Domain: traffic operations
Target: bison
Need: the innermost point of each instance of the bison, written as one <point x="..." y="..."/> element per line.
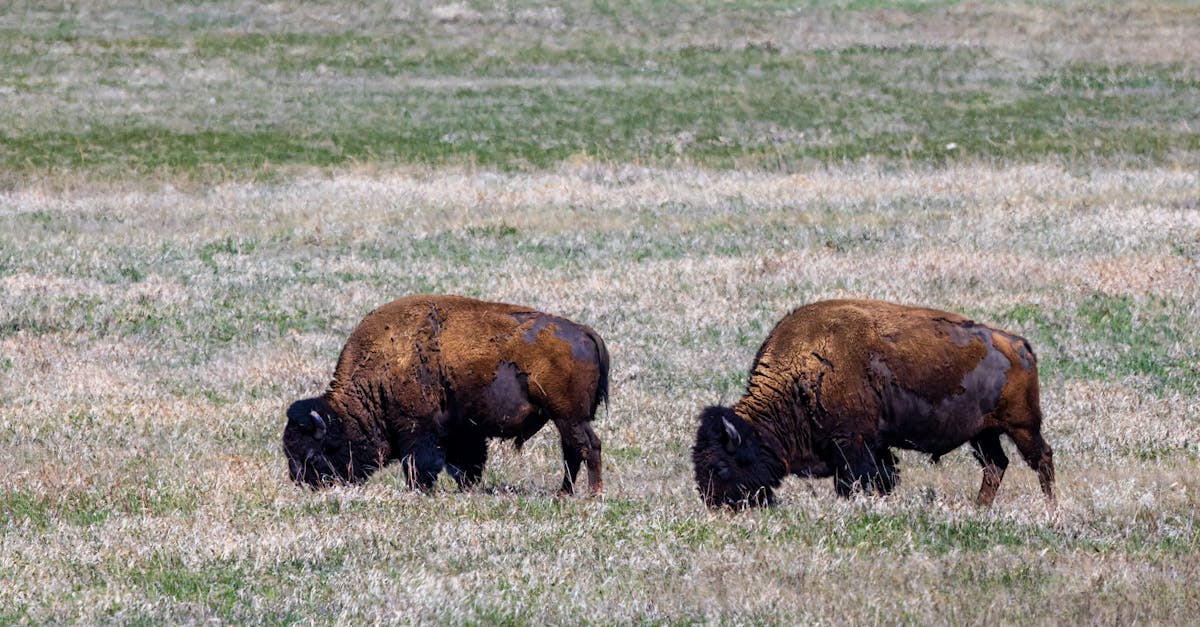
<point x="837" y="384"/>
<point x="427" y="380"/>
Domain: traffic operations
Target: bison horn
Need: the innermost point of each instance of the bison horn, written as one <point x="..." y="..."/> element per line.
<point x="318" y="423"/>
<point x="735" y="438"/>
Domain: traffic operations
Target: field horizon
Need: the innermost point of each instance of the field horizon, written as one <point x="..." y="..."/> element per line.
<point x="194" y="215"/>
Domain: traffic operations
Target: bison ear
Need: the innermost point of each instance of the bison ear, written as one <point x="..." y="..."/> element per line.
<point x="318" y="425"/>
<point x="733" y="439"/>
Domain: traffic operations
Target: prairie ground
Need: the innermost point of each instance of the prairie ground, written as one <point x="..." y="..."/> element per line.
<point x="198" y="203"/>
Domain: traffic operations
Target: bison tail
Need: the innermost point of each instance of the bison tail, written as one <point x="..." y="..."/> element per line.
<point x="602" y="363"/>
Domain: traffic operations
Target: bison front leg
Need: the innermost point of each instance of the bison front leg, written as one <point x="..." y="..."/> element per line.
<point x="465" y="457"/>
<point x="579" y="444"/>
<point x="886" y="476"/>
<point x="987" y="449"/>
<point x="855" y="468"/>
<point x="422" y="462"/>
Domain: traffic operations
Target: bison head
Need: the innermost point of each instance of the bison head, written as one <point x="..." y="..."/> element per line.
<point x="733" y="467"/>
<point x="315" y="445"/>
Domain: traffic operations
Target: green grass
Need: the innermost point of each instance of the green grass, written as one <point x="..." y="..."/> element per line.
<point x="513" y="96"/>
<point x="84" y="508"/>
<point x="781" y="121"/>
<point x="1115" y="337"/>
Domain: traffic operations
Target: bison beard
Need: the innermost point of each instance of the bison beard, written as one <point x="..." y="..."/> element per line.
<point x="427" y="380"/>
<point x="838" y="384"/>
<point x="733" y="468"/>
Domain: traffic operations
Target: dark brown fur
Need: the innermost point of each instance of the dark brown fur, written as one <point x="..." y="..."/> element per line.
<point x="839" y="383"/>
<point x="427" y="380"/>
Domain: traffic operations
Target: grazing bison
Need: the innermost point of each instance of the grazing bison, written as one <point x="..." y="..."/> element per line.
<point x="838" y="383"/>
<point x="427" y="380"/>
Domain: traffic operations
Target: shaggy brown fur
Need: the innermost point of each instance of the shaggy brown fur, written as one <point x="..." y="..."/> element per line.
<point x="427" y="380"/>
<point x="838" y="383"/>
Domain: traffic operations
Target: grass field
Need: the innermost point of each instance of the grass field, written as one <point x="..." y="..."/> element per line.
<point x="199" y="202"/>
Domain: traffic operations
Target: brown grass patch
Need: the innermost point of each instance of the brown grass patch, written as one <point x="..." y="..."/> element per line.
<point x="146" y="364"/>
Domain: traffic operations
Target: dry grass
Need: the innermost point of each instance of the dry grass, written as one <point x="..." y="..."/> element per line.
<point x="152" y="335"/>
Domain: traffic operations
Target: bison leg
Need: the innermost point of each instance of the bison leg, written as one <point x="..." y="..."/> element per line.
<point x="1038" y="455"/>
<point x="465" y="458"/>
<point x="423" y="462"/>
<point x="595" y="481"/>
<point x="845" y="482"/>
<point x="854" y="469"/>
<point x="860" y="468"/>
<point x="987" y="449"/>
<point x="579" y="444"/>
<point x="886" y="476"/>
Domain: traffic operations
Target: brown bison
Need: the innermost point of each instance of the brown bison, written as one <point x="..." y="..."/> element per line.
<point x="838" y="383"/>
<point x="427" y="380"/>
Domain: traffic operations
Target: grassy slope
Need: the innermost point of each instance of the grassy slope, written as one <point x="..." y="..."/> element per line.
<point x="151" y="330"/>
<point x="214" y="89"/>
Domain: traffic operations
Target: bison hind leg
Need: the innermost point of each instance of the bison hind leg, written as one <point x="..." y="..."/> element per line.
<point x="1038" y="455"/>
<point x="580" y="444"/>
<point x="987" y="449"/>
<point x="465" y="457"/>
